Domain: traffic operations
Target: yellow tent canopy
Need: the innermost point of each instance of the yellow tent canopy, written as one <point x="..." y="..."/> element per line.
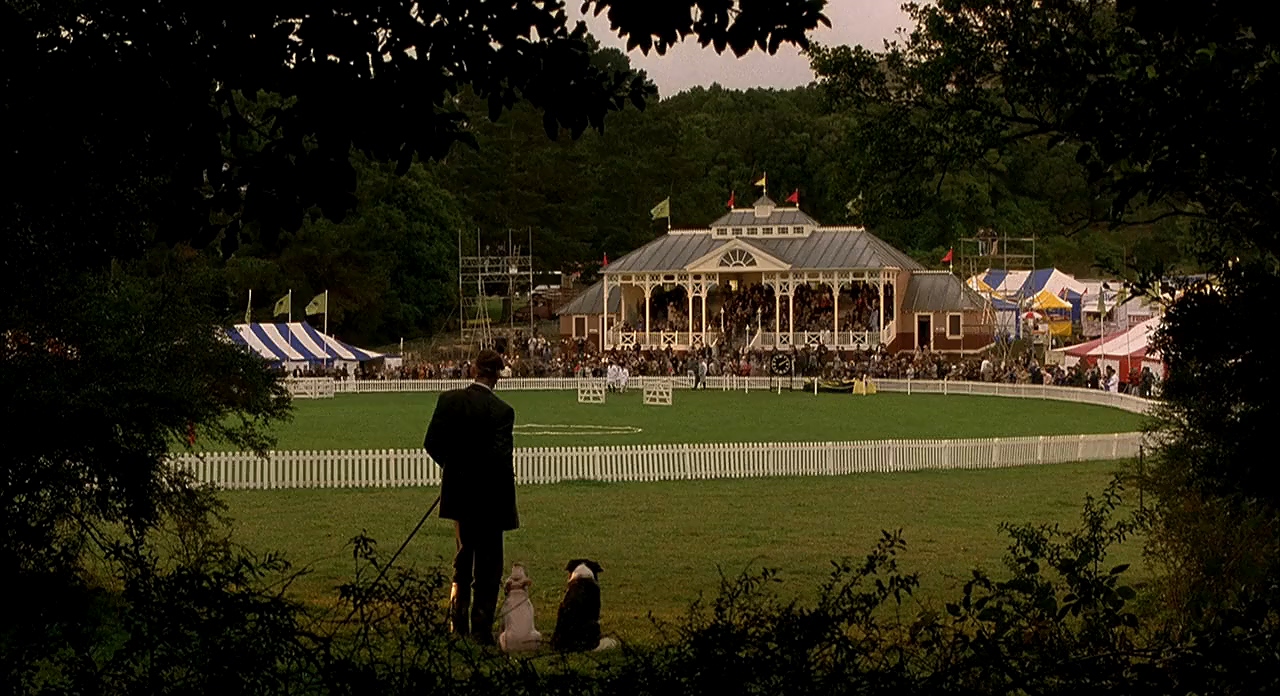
<point x="1047" y="301"/>
<point x="976" y="283"/>
<point x="1056" y="310"/>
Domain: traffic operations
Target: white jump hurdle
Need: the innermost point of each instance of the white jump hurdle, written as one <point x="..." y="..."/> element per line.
<point x="591" y="392"/>
<point x="657" y="394"/>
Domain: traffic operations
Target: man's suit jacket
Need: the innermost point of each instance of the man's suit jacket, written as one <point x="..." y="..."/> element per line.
<point x="470" y="437"/>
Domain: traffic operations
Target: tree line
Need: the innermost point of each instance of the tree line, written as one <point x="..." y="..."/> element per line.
<point x="183" y="143"/>
<point x="391" y="266"/>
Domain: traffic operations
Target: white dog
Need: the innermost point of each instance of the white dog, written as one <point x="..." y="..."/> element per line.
<point x="518" y="633"/>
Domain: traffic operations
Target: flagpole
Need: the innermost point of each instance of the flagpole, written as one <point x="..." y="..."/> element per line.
<point x="248" y="310"/>
<point x="1102" y="323"/>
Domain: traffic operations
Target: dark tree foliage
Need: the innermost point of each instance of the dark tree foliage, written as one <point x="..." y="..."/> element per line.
<point x="145" y="143"/>
<point x="1169" y="115"/>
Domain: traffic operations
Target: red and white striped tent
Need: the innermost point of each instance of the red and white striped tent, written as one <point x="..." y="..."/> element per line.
<point x="1123" y="350"/>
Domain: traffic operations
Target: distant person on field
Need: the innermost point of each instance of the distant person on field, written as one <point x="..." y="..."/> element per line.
<point x="701" y="376"/>
<point x="471" y="438"/>
<point x="1147" y="381"/>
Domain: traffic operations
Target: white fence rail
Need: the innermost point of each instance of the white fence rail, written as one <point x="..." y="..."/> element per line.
<point x="392" y="468"/>
<point x="1025" y="391"/>
<point x="311" y="387"/>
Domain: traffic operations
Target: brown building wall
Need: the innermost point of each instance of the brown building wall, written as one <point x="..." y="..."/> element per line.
<point x="973" y="335"/>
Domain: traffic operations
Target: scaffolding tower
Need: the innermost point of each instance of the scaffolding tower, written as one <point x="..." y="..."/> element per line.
<point x="989" y="250"/>
<point x="500" y="274"/>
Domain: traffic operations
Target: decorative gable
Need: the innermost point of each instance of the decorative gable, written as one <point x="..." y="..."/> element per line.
<point x="737" y="254"/>
<point x="737" y="258"/>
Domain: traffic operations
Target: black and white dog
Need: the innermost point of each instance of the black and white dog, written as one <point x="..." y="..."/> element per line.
<point x="578" y="621"/>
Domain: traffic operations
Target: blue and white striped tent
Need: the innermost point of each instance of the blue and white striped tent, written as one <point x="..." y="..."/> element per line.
<point x="298" y="342"/>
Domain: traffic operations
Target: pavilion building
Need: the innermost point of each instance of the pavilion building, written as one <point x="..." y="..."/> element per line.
<point x="773" y="277"/>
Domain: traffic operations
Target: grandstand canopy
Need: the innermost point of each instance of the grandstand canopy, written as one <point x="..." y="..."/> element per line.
<point x="673" y="292"/>
<point x="297" y="342"/>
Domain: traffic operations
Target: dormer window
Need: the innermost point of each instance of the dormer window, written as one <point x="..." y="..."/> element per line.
<point x="737" y="231"/>
<point x="753" y="231"/>
<point x="766" y="230"/>
<point x="797" y="230"/>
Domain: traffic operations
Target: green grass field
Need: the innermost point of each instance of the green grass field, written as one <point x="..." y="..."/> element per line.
<point x="661" y="543"/>
<point x="399" y="421"/>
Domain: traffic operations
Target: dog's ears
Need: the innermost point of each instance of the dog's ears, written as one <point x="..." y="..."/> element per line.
<point x="595" y="567"/>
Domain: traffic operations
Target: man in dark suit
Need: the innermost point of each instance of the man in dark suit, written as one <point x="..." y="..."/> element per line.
<point x="470" y="437"/>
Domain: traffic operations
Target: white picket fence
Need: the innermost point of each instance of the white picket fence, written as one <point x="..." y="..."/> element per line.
<point x="733" y="383"/>
<point x="392" y="468"/>
<point x="311" y="387"/>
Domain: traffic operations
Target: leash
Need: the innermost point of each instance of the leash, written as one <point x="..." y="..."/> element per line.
<point x="385" y="568"/>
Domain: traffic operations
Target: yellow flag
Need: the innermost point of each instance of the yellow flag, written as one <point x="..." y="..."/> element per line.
<point x="318" y="305"/>
<point x="662" y="210"/>
<point x="761" y="182"/>
<point x="282" y="306"/>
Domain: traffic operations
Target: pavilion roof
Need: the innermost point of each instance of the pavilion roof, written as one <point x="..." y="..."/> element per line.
<point x="940" y="291"/>
<point x="825" y="248"/>
<point x="590" y="301"/>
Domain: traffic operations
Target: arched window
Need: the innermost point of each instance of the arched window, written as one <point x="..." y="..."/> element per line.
<point x="737" y="258"/>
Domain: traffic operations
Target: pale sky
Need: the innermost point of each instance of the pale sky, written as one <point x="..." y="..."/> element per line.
<point x="865" y="22"/>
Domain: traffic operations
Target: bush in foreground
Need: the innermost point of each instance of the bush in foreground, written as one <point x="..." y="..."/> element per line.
<point x="215" y="619"/>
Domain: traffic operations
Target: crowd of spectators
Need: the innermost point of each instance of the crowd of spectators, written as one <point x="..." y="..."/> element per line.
<point x="746" y="309"/>
<point x="579" y="358"/>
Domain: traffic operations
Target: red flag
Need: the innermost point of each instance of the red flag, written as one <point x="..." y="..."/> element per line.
<point x="730" y="203"/>
<point x="794" y="197"/>
<point x="947" y="258"/>
<point x="606" y="261"/>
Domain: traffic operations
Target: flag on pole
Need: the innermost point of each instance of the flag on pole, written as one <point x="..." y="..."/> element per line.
<point x="319" y="304"/>
<point x="282" y="305"/>
<point x="948" y="257"/>
<point x="762" y="181"/>
<point x="662" y="210"/>
<point x="606" y="261"/>
<point x="794" y="197"/>
<point x="731" y="201"/>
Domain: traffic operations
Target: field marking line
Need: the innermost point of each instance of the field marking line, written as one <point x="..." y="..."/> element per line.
<point x="575" y="429"/>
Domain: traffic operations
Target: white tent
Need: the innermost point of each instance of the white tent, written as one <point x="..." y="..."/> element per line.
<point x="1123" y="350"/>
<point x="298" y="344"/>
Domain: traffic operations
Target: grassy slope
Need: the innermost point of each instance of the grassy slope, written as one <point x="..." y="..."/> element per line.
<point x="661" y="543"/>
<point x="394" y="421"/>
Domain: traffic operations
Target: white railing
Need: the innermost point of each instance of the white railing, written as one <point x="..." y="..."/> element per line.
<point x="1075" y="394"/>
<point x="391" y="468"/>
<point x="843" y="340"/>
<point x="1125" y="402"/>
<point x="311" y="387"/>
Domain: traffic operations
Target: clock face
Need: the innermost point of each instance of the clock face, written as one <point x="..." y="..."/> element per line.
<point x="781" y="364"/>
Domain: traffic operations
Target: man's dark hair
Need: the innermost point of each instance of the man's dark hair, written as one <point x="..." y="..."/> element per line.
<point x="489" y="364"/>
